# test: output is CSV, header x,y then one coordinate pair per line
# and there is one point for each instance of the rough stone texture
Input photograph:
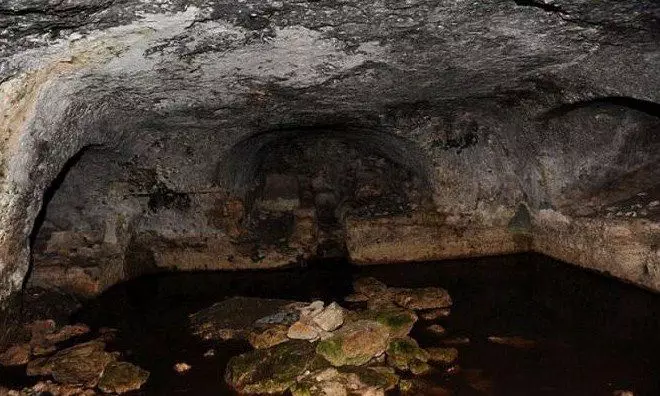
x,y
403,352
122,377
371,381
81,364
271,370
237,317
148,130
15,355
355,344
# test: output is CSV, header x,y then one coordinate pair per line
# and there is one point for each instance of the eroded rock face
x,y
172,135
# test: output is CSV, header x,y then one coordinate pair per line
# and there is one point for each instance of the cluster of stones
x,y
313,349
82,369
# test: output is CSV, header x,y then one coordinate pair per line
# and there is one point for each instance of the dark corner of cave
x,y
329,198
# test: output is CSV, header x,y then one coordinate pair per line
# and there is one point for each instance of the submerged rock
x,y
623,393
515,342
435,314
436,329
477,380
182,367
404,354
355,344
122,377
237,316
356,297
423,298
455,341
272,370
442,355
369,287
382,302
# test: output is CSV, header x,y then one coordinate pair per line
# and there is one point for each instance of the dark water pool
x,y
596,335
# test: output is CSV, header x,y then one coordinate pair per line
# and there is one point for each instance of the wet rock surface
x,y
355,344
512,348
427,298
122,377
298,357
81,364
271,370
237,316
76,366
344,381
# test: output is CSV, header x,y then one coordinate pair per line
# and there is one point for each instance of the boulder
x,y
268,337
355,344
398,321
235,317
122,377
370,287
330,318
272,370
303,331
311,310
81,364
404,352
346,381
423,298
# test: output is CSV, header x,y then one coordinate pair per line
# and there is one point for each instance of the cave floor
x,y
584,334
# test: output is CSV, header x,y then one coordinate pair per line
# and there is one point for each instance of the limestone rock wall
x,y
130,109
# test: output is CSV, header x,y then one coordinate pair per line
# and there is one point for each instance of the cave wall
x,y
529,120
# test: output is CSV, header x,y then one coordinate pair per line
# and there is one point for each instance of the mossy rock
x,y
404,353
121,377
355,343
417,367
346,380
272,370
398,321
379,376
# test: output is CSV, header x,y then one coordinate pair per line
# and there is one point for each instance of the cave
x,y
167,166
